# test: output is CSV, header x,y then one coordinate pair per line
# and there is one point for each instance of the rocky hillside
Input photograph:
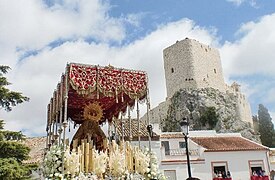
x,y
207,108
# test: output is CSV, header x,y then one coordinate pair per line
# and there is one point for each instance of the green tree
x,y
266,127
209,117
12,169
12,151
8,98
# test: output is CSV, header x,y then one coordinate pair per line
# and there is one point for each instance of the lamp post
x,y
184,124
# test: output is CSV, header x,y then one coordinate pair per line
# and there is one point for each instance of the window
x,y
165,144
170,174
215,71
219,168
256,166
182,144
172,70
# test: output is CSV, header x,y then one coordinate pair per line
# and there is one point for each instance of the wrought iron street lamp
x,y
150,130
184,124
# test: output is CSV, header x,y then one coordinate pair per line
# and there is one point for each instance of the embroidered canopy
x,y
88,91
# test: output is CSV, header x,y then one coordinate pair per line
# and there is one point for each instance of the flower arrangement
x,y
117,163
154,172
72,165
100,162
86,177
52,165
120,163
142,162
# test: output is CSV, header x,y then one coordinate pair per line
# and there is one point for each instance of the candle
x,y
91,157
79,155
104,143
75,143
131,159
82,155
87,158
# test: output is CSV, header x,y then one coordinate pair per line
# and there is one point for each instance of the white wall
x,y
237,161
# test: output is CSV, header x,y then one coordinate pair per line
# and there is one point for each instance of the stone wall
x,y
158,113
243,106
208,69
179,67
189,64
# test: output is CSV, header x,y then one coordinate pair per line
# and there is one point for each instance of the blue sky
x,y
38,38
219,14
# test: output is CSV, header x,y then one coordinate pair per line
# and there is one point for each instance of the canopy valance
x,y
89,91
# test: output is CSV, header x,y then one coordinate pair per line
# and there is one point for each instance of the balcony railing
x,y
181,152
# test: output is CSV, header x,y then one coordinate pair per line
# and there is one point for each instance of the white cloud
x,y
272,114
37,76
251,59
254,52
32,24
236,2
252,3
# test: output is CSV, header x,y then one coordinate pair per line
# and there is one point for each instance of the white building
x,y
208,151
272,163
211,152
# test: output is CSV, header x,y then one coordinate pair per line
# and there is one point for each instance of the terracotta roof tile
x,y
172,135
227,144
134,122
37,146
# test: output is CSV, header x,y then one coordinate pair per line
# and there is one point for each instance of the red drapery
x,y
259,178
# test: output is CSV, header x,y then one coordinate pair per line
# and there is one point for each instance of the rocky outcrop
x,y
195,104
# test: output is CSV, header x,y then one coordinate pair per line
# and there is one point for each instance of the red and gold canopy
x,y
104,91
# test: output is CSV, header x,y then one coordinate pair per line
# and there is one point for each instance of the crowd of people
x,y
258,173
222,174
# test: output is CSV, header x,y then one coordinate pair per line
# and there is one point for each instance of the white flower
x,y
100,162
117,163
52,164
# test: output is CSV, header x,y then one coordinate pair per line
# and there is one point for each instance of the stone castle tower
x,y
189,64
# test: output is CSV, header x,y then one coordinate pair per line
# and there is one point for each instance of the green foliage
x,y
16,150
170,123
11,169
12,152
266,127
1,124
1,127
12,135
171,126
8,98
209,117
